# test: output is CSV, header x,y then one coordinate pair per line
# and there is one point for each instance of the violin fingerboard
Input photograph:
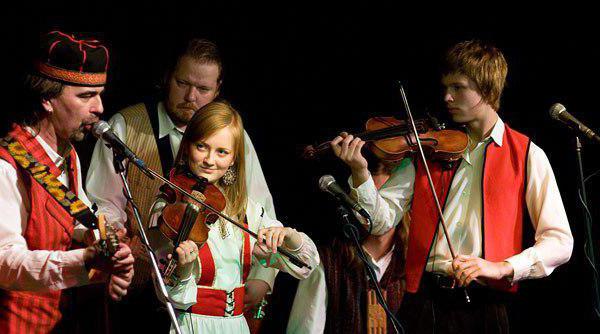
x,y
109,240
112,239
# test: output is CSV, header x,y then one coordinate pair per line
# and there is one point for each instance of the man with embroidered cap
x,y
36,233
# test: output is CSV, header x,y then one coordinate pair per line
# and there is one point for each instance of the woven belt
x,y
219,303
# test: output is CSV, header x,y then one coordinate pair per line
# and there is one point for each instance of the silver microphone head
x,y
325,181
99,128
556,110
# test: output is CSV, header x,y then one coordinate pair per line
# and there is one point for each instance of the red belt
x,y
219,303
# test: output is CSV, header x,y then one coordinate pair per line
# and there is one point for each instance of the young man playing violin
x,y
502,180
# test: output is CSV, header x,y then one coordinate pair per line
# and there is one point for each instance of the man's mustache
x,y
92,122
187,105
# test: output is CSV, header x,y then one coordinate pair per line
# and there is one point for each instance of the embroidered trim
x,y
41,173
82,78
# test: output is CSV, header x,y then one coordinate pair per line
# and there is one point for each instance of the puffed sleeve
x,y
307,252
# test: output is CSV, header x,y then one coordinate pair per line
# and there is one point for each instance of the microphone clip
x,y
352,227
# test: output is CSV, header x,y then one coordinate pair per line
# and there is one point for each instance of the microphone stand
x,y
351,232
120,169
588,250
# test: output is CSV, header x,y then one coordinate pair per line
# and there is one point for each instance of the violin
x,y
391,140
182,219
171,191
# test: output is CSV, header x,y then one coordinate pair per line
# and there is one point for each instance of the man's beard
x,y
81,133
78,135
181,117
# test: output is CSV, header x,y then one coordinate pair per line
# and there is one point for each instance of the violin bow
x,y
295,260
424,160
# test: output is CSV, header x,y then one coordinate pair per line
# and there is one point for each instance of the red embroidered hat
x,y
72,61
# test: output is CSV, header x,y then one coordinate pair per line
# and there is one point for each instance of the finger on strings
x,y
281,238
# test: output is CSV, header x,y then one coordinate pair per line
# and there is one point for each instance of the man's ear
x,y
47,105
218,89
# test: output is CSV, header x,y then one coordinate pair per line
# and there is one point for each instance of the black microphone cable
x,y
351,232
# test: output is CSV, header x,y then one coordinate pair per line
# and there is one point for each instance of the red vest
x,y
503,206
49,227
212,301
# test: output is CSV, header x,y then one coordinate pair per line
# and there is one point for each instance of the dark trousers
x,y
140,311
435,309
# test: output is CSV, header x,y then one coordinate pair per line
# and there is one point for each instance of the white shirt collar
x,y
379,262
165,124
498,132
52,154
496,135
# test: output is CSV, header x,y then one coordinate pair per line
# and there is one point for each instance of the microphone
x,y
327,183
559,113
102,130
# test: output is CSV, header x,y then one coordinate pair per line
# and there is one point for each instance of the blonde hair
x,y
205,122
484,64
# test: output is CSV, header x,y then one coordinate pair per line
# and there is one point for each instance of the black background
x,y
302,74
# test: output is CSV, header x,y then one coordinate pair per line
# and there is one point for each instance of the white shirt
x,y
34,270
553,238
309,310
380,265
104,186
226,255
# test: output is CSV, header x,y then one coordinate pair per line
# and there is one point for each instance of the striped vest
x,y
49,227
141,139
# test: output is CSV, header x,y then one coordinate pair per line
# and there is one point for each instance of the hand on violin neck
x,y
187,254
119,283
348,149
121,261
122,235
471,268
274,237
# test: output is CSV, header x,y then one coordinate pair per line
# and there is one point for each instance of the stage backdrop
x,y
302,75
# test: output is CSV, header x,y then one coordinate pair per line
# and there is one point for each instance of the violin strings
x,y
392,131
184,231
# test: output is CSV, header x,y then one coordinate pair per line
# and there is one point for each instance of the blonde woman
x,y
210,292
